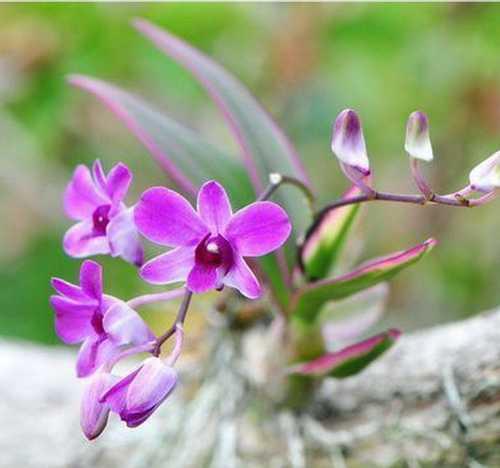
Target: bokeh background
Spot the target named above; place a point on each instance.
(305, 63)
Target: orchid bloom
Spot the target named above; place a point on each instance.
(105, 225)
(418, 142)
(103, 323)
(210, 243)
(135, 397)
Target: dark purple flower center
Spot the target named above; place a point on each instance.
(215, 252)
(100, 219)
(96, 322)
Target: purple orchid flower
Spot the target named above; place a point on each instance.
(105, 225)
(210, 243)
(103, 323)
(135, 397)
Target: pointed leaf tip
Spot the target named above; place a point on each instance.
(350, 360)
(309, 299)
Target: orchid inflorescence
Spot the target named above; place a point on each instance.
(208, 247)
(208, 250)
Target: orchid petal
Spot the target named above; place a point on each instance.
(258, 229)
(81, 197)
(202, 278)
(116, 396)
(123, 237)
(153, 383)
(118, 182)
(242, 278)
(93, 413)
(91, 279)
(69, 290)
(100, 177)
(80, 241)
(72, 320)
(125, 326)
(94, 352)
(165, 217)
(214, 206)
(169, 267)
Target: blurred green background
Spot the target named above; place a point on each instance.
(305, 63)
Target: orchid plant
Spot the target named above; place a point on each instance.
(212, 247)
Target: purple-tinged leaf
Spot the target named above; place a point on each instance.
(264, 146)
(325, 238)
(343, 322)
(181, 153)
(350, 360)
(307, 301)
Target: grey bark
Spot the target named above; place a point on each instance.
(432, 400)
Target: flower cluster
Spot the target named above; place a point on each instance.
(209, 246)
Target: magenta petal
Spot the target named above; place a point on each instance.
(93, 413)
(214, 206)
(80, 241)
(69, 290)
(91, 279)
(153, 383)
(258, 229)
(116, 396)
(241, 277)
(81, 197)
(99, 177)
(118, 182)
(124, 238)
(167, 218)
(169, 267)
(94, 352)
(125, 326)
(72, 320)
(202, 278)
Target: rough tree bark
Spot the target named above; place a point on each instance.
(433, 400)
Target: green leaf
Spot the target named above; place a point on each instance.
(350, 360)
(325, 238)
(307, 301)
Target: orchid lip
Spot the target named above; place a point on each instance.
(214, 251)
(100, 219)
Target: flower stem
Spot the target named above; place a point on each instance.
(179, 320)
(276, 180)
(435, 199)
(153, 298)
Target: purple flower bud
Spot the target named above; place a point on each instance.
(135, 397)
(93, 413)
(348, 142)
(418, 142)
(485, 177)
